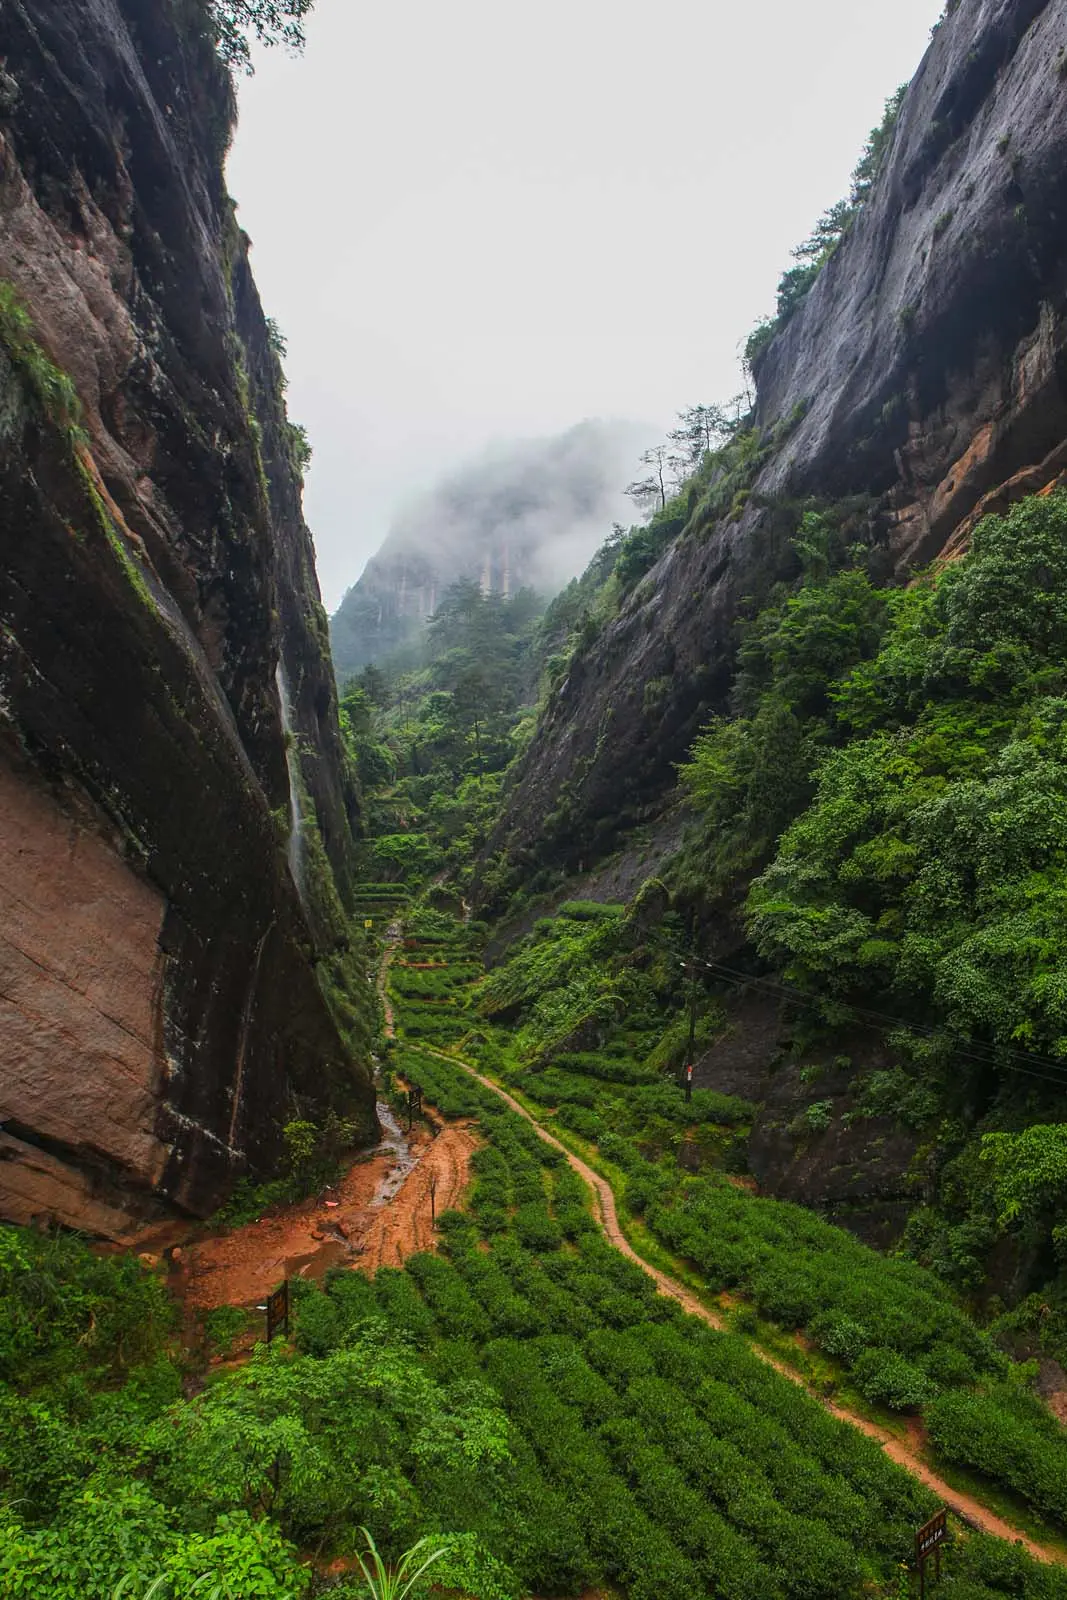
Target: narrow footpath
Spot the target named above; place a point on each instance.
(964, 1506)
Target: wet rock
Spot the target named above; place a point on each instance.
(927, 369)
(158, 999)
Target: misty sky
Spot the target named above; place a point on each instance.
(479, 220)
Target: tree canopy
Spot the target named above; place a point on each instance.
(269, 22)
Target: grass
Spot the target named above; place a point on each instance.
(49, 389)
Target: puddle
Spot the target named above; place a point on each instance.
(334, 1253)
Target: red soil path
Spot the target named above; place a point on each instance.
(904, 1452)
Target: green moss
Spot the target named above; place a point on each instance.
(49, 390)
(114, 538)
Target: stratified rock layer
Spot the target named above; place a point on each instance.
(160, 1017)
(927, 369)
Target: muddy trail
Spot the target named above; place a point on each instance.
(376, 1216)
(380, 1212)
(907, 1453)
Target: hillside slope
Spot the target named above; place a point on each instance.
(527, 515)
(927, 371)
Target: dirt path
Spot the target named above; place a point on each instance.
(377, 1216)
(405, 1226)
(901, 1451)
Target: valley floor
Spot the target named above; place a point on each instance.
(969, 1509)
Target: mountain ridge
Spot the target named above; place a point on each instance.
(873, 415)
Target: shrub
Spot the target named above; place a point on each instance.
(887, 1376)
(535, 1229)
(1008, 1437)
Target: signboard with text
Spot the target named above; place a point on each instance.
(928, 1541)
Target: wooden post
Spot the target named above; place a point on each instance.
(278, 1311)
(690, 1049)
(928, 1541)
(433, 1199)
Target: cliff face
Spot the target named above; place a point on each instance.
(927, 369)
(160, 1015)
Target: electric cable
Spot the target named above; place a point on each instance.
(993, 1056)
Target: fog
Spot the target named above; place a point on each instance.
(551, 502)
(481, 221)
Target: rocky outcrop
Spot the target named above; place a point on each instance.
(927, 369)
(812, 1139)
(160, 1016)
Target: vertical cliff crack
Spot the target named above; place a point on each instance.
(246, 1019)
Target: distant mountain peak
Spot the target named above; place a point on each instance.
(527, 513)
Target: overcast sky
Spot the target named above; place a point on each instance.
(477, 220)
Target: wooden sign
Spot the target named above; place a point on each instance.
(928, 1541)
(278, 1311)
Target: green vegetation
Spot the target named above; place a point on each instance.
(886, 785)
(832, 227)
(1009, 1437)
(751, 773)
(883, 806)
(313, 1156)
(889, 1329)
(669, 1459)
(49, 390)
(385, 1583)
(931, 860)
(525, 1401)
(432, 731)
(895, 774)
(269, 22)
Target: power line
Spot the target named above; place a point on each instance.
(984, 1055)
(884, 1016)
(989, 1058)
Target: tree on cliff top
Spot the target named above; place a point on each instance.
(270, 21)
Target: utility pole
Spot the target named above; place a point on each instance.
(690, 968)
(414, 1106)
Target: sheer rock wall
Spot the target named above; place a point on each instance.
(927, 369)
(160, 1015)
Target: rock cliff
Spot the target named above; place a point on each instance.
(927, 370)
(160, 629)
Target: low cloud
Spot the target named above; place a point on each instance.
(528, 511)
